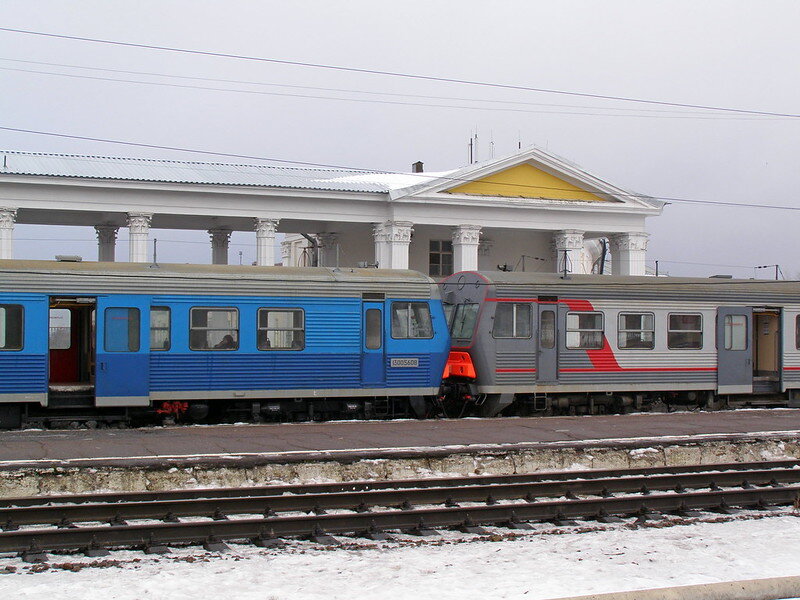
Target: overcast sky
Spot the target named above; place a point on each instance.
(717, 53)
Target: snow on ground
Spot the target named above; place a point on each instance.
(546, 562)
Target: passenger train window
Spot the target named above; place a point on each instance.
(685, 331)
(122, 330)
(281, 329)
(60, 329)
(11, 326)
(797, 332)
(512, 320)
(636, 331)
(584, 330)
(411, 320)
(214, 329)
(464, 319)
(735, 330)
(160, 337)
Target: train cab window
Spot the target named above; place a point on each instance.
(411, 320)
(122, 330)
(281, 329)
(214, 329)
(512, 320)
(636, 331)
(735, 329)
(463, 324)
(11, 326)
(60, 329)
(685, 331)
(585, 330)
(449, 309)
(160, 338)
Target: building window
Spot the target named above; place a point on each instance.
(735, 328)
(411, 320)
(11, 326)
(214, 329)
(636, 331)
(160, 338)
(122, 330)
(60, 329)
(464, 319)
(281, 329)
(440, 258)
(585, 330)
(685, 332)
(512, 320)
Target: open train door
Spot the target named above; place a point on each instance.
(122, 376)
(734, 350)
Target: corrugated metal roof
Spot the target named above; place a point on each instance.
(173, 171)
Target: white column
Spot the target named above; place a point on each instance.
(8, 216)
(328, 249)
(466, 239)
(220, 240)
(628, 253)
(392, 239)
(265, 241)
(106, 242)
(568, 246)
(138, 233)
(286, 254)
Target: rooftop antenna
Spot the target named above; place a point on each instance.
(477, 158)
(519, 140)
(240, 257)
(491, 144)
(469, 146)
(155, 254)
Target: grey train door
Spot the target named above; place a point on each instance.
(547, 344)
(734, 350)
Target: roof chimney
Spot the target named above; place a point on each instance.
(417, 167)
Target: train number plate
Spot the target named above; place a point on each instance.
(404, 362)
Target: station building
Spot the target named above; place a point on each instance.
(529, 211)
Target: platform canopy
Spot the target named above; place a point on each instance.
(529, 207)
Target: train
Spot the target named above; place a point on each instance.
(114, 344)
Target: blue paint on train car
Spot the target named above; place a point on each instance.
(24, 370)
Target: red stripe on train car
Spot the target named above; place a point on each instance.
(619, 369)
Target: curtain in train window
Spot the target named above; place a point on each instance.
(685, 331)
(512, 320)
(735, 332)
(464, 319)
(214, 329)
(11, 326)
(122, 330)
(636, 330)
(585, 330)
(411, 320)
(160, 338)
(281, 329)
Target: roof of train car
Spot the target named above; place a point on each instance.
(642, 284)
(58, 276)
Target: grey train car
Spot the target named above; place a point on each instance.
(529, 343)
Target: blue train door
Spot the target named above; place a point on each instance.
(734, 350)
(547, 344)
(122, 373)
(373, 345)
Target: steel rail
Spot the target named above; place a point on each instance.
(274, 490)
(363, 499)
(305, 525)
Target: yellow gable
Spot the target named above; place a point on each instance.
(525, 181)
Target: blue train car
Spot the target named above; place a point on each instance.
(101, 342)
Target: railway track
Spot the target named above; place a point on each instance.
(263, 515)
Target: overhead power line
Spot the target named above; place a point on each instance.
(412, 76)
(365, 171)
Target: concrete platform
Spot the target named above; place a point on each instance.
(85, 460)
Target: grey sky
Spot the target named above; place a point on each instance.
(726, 53)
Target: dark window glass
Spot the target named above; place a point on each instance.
(373, 325)
(512, 320)
(60, 329)
(11, 326)
(281, 329)
(464, 319)
(585, 330)
(547, 329)
(636, 331)
(160, 338)
(214, 329)
(411, 320)
(685, 332)
(440, 258)
(122, 330)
